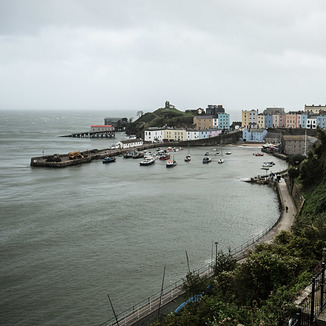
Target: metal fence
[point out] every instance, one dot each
(313, 304)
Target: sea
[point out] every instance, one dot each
(71, 236)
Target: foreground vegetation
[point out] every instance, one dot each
(261, 290)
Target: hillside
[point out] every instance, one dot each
(159, 118)
(262, 289)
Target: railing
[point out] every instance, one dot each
(174, 290)
(313, 305)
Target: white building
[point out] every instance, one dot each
(130, 143)
(311, 123)
(192, 134)
(154, 135)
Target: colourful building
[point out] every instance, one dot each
(175, 134)
(203, 122)
(223, 121)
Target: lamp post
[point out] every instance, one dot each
(216, 243)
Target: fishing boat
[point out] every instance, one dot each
(228, 153)
(188, 158)
(147, 161)
(258, 154)
(171, 163)
(109, 159)
(165, 156)
(207, 159)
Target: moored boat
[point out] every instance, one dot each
(268, 164)
(188, 158)
(207, 159)
(109, 159)
(137, 154)
(171, 163)
(147, 161)
(165, 156)
(220, 160)
(128, 154)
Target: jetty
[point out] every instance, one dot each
(92, 134)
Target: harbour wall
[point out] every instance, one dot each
(62, 160)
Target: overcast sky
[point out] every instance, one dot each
(136, 54)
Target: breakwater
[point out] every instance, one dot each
(63, 160)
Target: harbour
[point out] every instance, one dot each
(71, 236)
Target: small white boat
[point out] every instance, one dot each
(220, 160)
(228, 153)
(268, 164)
(147, 161)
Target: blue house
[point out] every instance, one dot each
(304, 118)
(268, 121)
(254, 135)
(223, 121)
(321, 121)
(204, 134)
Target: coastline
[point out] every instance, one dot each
(173, 298)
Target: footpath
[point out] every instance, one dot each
(288, 213)
(171, 300)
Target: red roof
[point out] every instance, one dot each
(100, 126)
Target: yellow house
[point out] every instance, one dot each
(245, 119)
(261, 121)
(249, 119)
(175, 134)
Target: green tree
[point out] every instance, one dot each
(224, 262)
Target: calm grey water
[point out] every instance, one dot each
(70, 236)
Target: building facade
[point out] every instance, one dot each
(254, 135)
(175, 135)
(223, 121)
(203, 122)
(130, 143)
(249, 119)
(154, 135)
(314, 109)
(297, 144)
